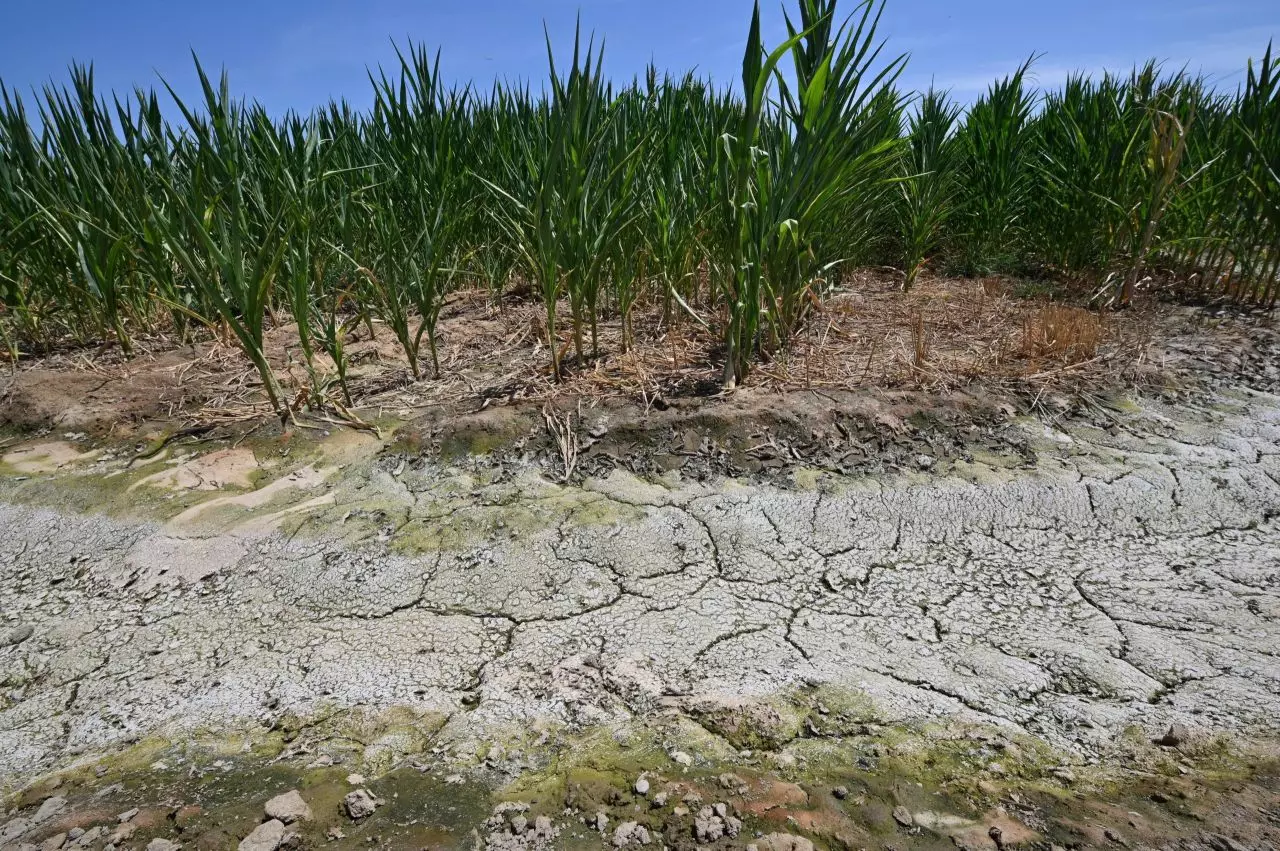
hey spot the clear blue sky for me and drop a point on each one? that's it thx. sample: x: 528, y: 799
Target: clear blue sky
x: 298, y: 53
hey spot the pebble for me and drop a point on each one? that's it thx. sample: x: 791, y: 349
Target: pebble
x: 642, y: 786
x: 127, y: 815
x: 681, y: 758
x: 903, y: 816
x: 355, y: 779
x: 841, y: 792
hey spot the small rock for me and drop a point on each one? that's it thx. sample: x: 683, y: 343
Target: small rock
x: 519, y: 824
x: 629, y: 834
x: 91, y: 836
x: 127, y: 815
x: 123, y: 833
x: 841, y: 792
x: 1112, y: 836
x: 335, y: 833
x: 1176, y: 735
x: 1160, y: 797
x: 600, y: 822
x: 50, y: 808
x: 265, y: 837
x: 14, y: 828
x: 359, y: 804
x: 903, y: 816
x: 642, y: 786
x: 681, y: 758
x: 75, y: 833
x: 925, y: 462
x: 288, y: 808
x: 986, y: 787
x: 17, y: 635
x: 997, y: 769
x: 1066, y: 775
x: 660, y: 800
x: 53, y: 843
x: 732, y: 826
x: 159, y: 844
x: 707, y: 826
x: 542, y: 827
x: 355, y: 779
x: 784, y: 842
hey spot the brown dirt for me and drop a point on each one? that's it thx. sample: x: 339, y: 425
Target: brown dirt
x: 877, y: 379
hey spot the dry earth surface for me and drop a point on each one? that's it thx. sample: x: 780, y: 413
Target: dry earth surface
x: 788, y: 621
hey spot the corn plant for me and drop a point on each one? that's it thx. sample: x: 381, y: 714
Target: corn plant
x: 567, y: 193
x: 736, y: 209
x: 415, y: 138
x: 835, y: 159
x: 929, y: 185
x: 219, y: 223
x: 996, y: 145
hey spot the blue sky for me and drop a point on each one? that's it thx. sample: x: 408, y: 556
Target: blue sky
x: 298, y: 53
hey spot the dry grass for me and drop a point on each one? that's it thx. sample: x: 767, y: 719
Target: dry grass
x: 944, y: 334
x: 1062, y: 332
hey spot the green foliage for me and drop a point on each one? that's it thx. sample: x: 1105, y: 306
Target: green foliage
x: 929, y: 183
x: 733, y: 208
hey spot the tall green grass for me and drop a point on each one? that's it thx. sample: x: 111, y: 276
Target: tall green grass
x: 734, y: 208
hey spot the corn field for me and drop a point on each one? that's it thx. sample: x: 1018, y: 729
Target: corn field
x: 738, y: 208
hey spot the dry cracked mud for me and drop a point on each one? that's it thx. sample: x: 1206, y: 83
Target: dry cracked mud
x: 1124, y: 582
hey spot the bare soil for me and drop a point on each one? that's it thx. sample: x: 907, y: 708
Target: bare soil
x: 877, y: 381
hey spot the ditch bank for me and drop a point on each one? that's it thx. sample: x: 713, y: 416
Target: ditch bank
x: 297, y: 611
